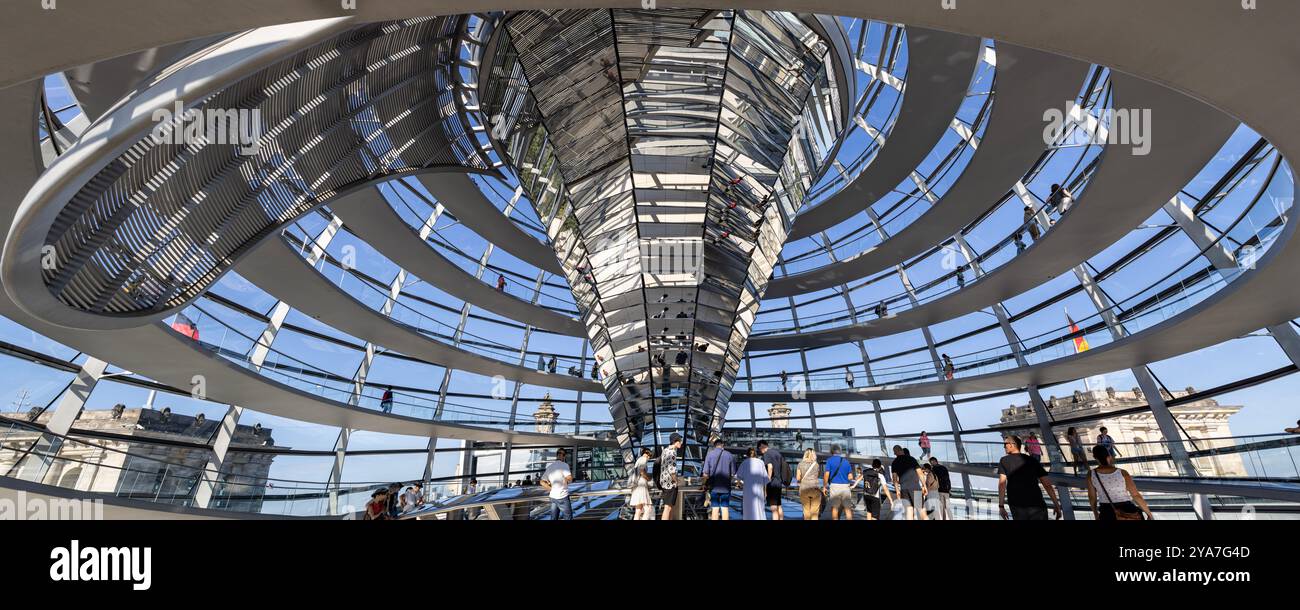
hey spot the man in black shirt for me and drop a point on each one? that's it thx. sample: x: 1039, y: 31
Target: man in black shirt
x: 907, y: 483
x: 1018, y: 478
x: 775, y: 465
x: 945, y: 489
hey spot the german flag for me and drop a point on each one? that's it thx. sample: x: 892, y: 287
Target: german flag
x: 185, y: 326
x: 1080, y: 342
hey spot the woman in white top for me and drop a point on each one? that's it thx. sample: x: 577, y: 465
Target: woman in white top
x: 1111, y: 491
x: 640, y: 484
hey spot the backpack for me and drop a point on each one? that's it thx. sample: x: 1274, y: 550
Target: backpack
x: 871, y: 482
x: 787, y: 473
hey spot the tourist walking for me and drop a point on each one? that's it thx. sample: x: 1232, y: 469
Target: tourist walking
x: 1034, y: 447
x: 668, y: 479
x: 945, y: 489
x: 839, y: 484
x: 874, y: 485
x: 931, y: 485
x: 719, y: 472
x: 753, y: 480
x: 386, y: 401
x: 1111, y: 492
x: 1031, y: 223
x: 808, y: 474
x: 643, y: 507
x: 1077, y: 454
x: 1106, y: 440
x: 907, y: 476
x: 1018, y: 479
x: 925, y: 445
x: 1061, y: 199
x: 778, y: 472
x: 556, y: 479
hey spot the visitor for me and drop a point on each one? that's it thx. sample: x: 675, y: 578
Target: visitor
x: 386, y: 401
x: 1077, y: 454
x: 1060, y: 199
x: 907, y: 476
x: 925, y: 445
x: 839, y: 484
x: 668, y: 479
x: 1295, y: 430
x: 377, y: 507
x: 640, y: 483
x: 945, y: 489
x: 528, y: 481
x: 1106, y: 440
x: 873, y: 486
x: 1018, y: 479
x: 930, y: 487
x: 1119, y: 498
x: 848, y: 377
x: 413, y: 498
x: 808, y: 475
x: 550, y: 365
x: 961, y: 277
x: 472, y: 513
x: 753, y: 480
x: 394, y: 500
x: 719, y: 471
x: 948, y: 367
x: 784, y: 379
x: 501, y: 283
x: 1034, y: 447
x: 777, y: 472
x: 1031, y: 223
x: 556, y: 479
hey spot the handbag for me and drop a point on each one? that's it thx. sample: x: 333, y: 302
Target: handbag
x: 1120, y: 514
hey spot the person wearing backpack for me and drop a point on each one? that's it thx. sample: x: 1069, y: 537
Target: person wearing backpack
x: 839, y: 481
x: 873, y: 485
x: 778, y: 472
x: 944, y: 479
x: 809, y: 476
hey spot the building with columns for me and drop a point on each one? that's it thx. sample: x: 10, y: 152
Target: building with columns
x: 113, y: 459
x: 1205, y: 423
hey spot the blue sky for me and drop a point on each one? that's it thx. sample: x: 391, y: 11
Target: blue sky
x: 1268, y: 407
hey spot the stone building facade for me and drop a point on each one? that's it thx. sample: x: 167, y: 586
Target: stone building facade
x: 152, y: 471
x: 1204, y: 421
